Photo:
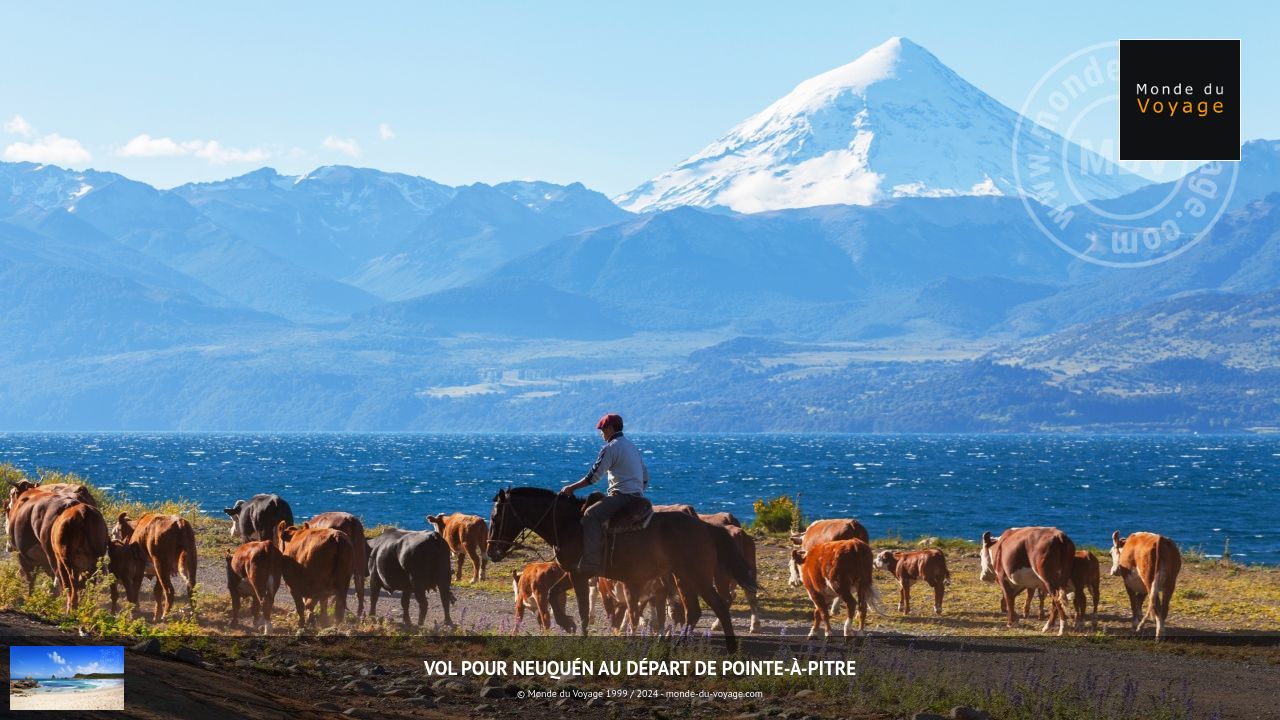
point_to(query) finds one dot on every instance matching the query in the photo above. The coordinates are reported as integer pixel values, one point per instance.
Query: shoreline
(108, 698)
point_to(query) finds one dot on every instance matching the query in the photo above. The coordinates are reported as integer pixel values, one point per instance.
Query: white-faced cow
(1030, 557)
(911, 567)
(838, 570)
(820, 531)
(258, 517)
(1149, 564)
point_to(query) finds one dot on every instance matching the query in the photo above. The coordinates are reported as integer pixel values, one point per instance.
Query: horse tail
(730, 557)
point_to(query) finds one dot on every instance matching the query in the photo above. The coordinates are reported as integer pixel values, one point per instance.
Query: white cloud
(346, 146)
(216, 154)
(54, 656)
(146, 146)
(385, 132)
(19, 126)
(211, 151)
(93, 667)
(51, 148)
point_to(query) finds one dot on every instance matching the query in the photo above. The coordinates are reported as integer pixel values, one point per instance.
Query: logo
(1126, 213)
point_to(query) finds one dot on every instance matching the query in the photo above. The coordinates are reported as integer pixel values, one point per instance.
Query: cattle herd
(59, 529)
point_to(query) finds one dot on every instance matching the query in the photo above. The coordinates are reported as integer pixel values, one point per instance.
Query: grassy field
(1216, 609)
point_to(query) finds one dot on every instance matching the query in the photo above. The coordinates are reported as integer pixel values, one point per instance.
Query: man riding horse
(628, 479)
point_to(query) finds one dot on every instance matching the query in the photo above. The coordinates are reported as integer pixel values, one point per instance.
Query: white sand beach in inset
(107, 698)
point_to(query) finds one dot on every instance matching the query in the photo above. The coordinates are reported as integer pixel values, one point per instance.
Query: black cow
(257, 518)
(411, 563)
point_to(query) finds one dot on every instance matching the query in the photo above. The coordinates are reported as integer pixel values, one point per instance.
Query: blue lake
(1198, 490)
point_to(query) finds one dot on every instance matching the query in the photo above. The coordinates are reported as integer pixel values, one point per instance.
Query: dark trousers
(593, 524)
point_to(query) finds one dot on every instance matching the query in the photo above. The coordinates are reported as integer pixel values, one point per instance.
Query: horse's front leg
(582, 593)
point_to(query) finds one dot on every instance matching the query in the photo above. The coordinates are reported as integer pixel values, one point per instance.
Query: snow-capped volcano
(895, 122)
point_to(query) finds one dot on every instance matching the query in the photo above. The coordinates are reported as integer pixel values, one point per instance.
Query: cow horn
(986, 538)
(1115, 538)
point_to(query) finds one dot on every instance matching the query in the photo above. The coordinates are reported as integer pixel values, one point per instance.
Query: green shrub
(779, 515)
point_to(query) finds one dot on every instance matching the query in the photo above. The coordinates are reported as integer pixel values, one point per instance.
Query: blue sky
(608, 94)
(42, 661)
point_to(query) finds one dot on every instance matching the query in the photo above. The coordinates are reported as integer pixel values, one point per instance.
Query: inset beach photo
(66, 677)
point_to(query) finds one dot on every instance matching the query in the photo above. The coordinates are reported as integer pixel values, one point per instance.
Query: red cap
(610, 420)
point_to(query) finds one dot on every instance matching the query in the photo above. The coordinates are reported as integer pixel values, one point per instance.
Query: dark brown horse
(673, 542)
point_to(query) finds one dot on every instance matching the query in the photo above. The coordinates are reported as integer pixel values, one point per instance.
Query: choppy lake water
(1198, 490)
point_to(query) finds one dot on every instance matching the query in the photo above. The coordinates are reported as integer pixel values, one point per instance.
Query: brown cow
(613, 601)
(724, 582)
(910, 567)
(77, 540)
(723, 519)
(25, 491)
(254, 571)
(1149, 564)
(624, 603)
(542, 587)
(837, 570)
(1030, 557)
(685, 508)
(169, 543)
(351, 525)
(820, 531)
(29, 523)
(1084, 577)
(127, 563)
(316, 565)
(71, 490)
(466, 535)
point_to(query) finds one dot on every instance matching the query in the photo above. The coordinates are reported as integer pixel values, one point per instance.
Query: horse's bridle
(506, 496)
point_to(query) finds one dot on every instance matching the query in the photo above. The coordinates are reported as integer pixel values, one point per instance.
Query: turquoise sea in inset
(1198, 490)
(73, 685)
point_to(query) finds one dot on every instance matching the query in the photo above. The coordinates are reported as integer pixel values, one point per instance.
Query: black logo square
(1179, 99)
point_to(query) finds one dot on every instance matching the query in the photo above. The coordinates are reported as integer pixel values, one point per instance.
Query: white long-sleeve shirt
(622, 461)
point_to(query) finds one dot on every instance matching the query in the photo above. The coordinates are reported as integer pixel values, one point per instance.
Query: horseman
(628, 479)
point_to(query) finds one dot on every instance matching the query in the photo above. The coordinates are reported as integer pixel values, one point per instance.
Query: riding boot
(592, 546)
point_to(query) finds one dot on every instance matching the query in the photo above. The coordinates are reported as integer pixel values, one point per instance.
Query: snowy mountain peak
(895, 122)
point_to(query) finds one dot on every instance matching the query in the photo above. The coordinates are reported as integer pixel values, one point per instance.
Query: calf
(542, 587)
(820, 531)
(257, 518)
(410, 563)
(254, 570)
(127, 564)
(1030, 557)
(910, 567)
(1084, 576)
(624, 603)
(169, 544)
(77, 540)
(351, 525)
(466, 535)
(316, 565)
(1149, 564)
(837, 570)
